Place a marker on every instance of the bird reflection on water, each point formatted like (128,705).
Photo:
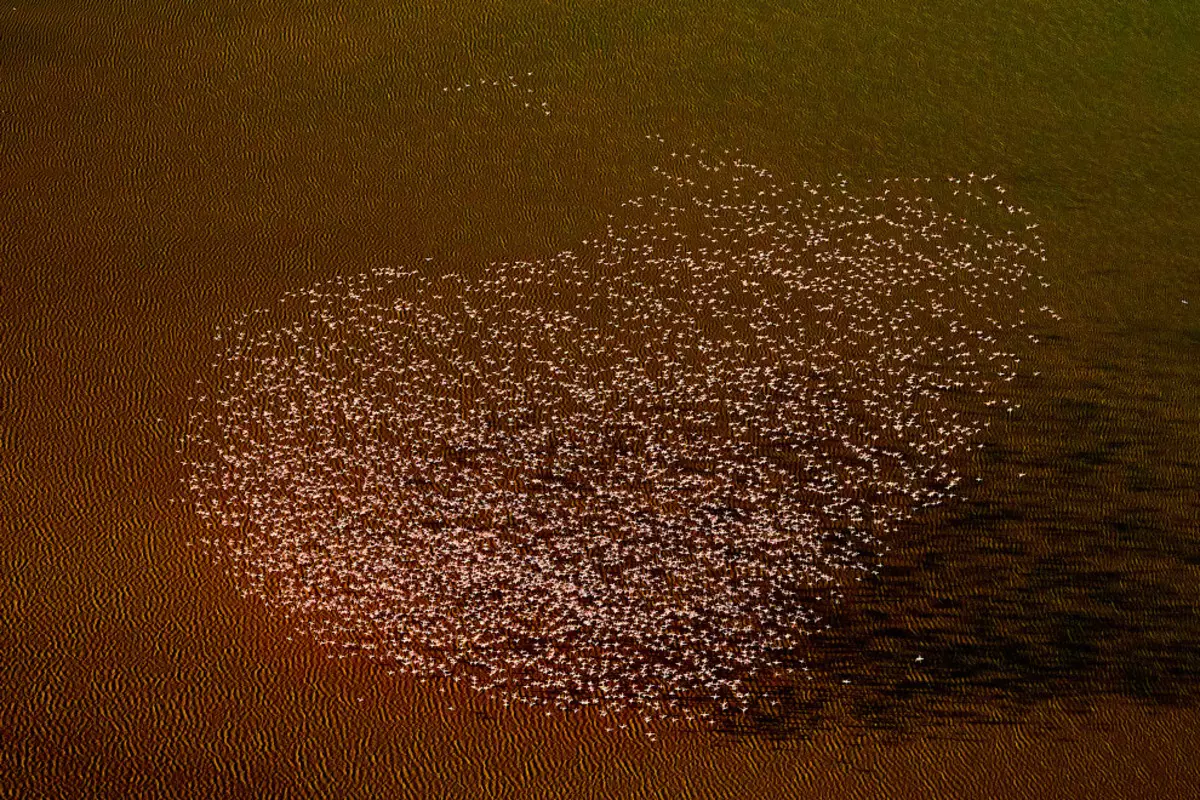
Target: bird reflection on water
(640,474)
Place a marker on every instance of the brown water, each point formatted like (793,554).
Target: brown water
(167,168)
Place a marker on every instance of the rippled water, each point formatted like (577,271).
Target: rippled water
(168,169)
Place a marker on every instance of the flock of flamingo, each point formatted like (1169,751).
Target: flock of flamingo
(633,475)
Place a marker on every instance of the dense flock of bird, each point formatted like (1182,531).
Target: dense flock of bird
(632,475)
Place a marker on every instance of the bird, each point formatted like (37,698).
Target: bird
(664,440)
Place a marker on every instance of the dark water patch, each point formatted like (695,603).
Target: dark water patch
(1066,577)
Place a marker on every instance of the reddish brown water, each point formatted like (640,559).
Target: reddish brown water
(164,170)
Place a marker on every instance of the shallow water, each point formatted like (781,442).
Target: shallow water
(166,170)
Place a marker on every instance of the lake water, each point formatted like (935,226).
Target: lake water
(165,169)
